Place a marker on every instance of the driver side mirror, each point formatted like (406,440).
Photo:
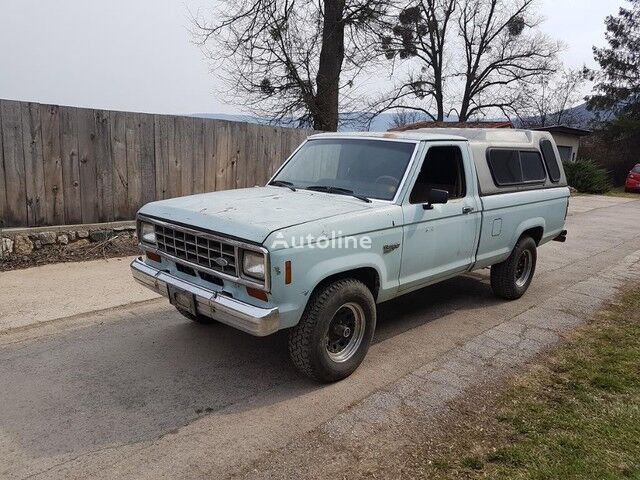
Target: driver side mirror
(435,197)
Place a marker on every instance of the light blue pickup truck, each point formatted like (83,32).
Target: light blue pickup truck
(352,220)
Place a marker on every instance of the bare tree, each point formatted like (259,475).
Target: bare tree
(548,100)
(419,33)
(465,57)
(404,117)
(292,59)
(503,50)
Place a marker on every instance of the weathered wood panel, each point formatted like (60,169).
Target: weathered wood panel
(3,184)
(145,134)
(74,165)
(118,133)
(199,155)
(134,161)
(87,166)
(70,147)
(52,165)
(104,167)
(33,162)
(12,147)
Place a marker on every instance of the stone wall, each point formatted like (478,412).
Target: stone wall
(26,242)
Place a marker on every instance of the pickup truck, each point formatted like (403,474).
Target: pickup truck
(352,220)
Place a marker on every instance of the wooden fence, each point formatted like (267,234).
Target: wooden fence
(66,165)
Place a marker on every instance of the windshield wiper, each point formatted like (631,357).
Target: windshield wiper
(282,183)
(338,191)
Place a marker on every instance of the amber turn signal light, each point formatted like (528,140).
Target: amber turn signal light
(153,256)
(259,294)
(287,272)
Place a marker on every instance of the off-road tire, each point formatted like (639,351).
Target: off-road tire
(503,275)
(307,340)
(196,318)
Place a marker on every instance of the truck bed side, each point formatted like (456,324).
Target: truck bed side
(506,216)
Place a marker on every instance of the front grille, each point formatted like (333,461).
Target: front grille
(213,254)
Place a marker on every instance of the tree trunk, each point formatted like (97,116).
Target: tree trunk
(439,94)
(325,114)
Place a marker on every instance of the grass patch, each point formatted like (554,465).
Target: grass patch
(575,416)
(619,192)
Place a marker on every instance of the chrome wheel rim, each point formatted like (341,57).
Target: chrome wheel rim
(345,333)
(523,268)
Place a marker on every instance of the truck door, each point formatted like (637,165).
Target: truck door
(440,241)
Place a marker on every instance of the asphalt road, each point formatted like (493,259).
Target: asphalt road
(138,391)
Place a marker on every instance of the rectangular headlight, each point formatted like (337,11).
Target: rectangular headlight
(253,264)
(148,233)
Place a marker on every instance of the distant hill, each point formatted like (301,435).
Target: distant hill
(579,117)
(381,123)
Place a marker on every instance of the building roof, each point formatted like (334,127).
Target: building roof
(578,132)
(418,125)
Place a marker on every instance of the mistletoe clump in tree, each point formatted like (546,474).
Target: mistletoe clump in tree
(292,60)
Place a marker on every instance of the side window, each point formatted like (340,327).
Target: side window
(532,168)
(550,160)
(514,167)
(565,153)
(442,169)
(505,166)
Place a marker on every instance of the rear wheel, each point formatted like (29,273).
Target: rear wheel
(196,318)
(511,278)
(334,333)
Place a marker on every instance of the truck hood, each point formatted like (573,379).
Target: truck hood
(252,213)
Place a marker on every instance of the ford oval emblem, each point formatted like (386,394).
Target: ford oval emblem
(221,262)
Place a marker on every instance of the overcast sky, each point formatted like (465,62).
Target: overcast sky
(136,54)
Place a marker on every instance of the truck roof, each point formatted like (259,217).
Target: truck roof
(477,136)
(413,135)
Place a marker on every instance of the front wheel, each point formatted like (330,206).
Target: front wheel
(335,331)
(511,278)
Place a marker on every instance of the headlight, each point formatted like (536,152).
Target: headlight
(253,264)
(148,233)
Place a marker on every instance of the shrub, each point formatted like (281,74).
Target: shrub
(587,177)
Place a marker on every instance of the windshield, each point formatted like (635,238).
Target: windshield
(370,168)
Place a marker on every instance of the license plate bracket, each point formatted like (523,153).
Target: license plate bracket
(182,299)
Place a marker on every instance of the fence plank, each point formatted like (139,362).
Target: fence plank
(174,167)
(198,155)
(104,166)
(87,165)
(53,207)
(165,153)
(147,160)
(210,155)
(70,155)
(223,161)
(184,152)
(16,195)
(236,154)
(3,184)
(33,162)
(118,133)
(134,176)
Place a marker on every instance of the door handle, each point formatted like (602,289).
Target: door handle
(466,210)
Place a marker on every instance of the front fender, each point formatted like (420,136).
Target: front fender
(310,266)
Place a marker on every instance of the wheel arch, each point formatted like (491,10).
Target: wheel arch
(369,276)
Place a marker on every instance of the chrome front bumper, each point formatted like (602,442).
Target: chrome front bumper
(248,318)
